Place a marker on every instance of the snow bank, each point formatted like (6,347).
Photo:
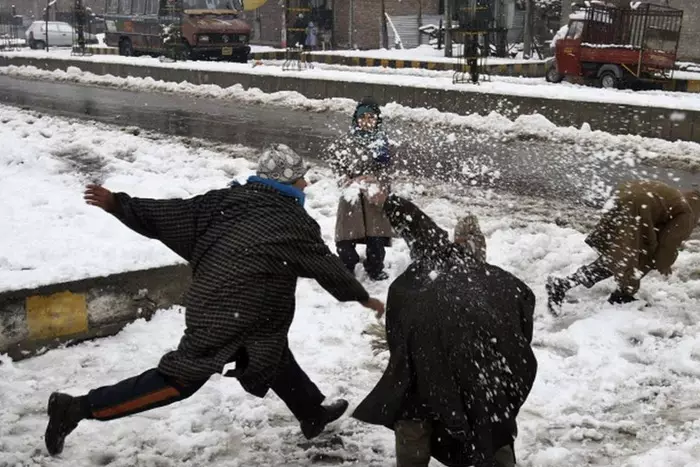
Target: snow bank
(494,124)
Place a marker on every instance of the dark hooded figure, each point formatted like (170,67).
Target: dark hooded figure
(363,158)
(461,365)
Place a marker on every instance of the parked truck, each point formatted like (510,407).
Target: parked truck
(206,28)
(618,47)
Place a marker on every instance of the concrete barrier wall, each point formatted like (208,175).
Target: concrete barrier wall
(654,122)
(531,70)
(32,320)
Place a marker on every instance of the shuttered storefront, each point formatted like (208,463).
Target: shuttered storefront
(407,27)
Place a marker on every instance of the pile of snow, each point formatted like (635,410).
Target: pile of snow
(617,385)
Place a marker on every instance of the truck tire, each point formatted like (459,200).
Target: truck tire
(553,76)
(125,47)
(609,80)
(240,57)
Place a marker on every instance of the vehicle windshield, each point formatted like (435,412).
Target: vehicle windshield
(213,4)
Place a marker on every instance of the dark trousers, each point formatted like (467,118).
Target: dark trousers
(413,440)
(153,389)
(590,274)
(376,252)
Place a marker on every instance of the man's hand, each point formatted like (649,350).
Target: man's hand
(101,197)
(376,305)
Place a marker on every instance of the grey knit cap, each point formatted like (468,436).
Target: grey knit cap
(280,163)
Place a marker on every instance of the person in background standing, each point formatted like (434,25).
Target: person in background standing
(362,158)
(311,36)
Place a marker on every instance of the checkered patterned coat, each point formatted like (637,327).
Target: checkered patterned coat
(247,245)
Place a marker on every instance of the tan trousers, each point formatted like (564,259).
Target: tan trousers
(413,445)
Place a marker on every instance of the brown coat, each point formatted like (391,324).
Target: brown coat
(365,183)
(644,229)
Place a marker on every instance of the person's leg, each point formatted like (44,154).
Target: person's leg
(347,252)
(304,399)
(147,391)
(295,388)
(412,443)
(376,252)
(587,276)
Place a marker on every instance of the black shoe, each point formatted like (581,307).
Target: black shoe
(64,415)
(329,413)
(620,298)
(556,290)
(380,276)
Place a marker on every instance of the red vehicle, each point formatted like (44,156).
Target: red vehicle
(209,28)
(619,46)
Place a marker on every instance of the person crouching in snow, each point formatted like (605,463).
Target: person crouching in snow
(461,364)
(247,245)
(642,231)
(363,160)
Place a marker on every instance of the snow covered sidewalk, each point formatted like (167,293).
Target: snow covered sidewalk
(529,88)
(616,385)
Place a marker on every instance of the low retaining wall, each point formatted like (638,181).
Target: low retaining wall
(531,70)
(32,320)
(653,122)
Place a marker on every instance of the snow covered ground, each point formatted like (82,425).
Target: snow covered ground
(617,386)
(423,52)
(678,154)
(537,88)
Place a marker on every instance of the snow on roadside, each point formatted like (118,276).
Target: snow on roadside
(44,166)
(495,124)
(661,99)
(616,385)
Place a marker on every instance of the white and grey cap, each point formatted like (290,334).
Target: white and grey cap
(280,163)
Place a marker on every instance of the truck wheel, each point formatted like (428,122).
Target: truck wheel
(125,47)
(553,76)
(608,80)
(241,57)
(186,52)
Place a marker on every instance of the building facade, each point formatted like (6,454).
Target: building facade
(350,23)
(689,48)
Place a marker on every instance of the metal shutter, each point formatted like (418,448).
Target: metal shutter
(407,27)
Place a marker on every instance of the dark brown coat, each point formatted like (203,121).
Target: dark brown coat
(643,230)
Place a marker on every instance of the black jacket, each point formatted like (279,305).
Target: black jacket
(247,246)
(459,334)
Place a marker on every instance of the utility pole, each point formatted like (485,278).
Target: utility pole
(527,31)
(385,28)
(565,12)
(448,28)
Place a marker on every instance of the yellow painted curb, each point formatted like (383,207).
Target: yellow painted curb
(57,315)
